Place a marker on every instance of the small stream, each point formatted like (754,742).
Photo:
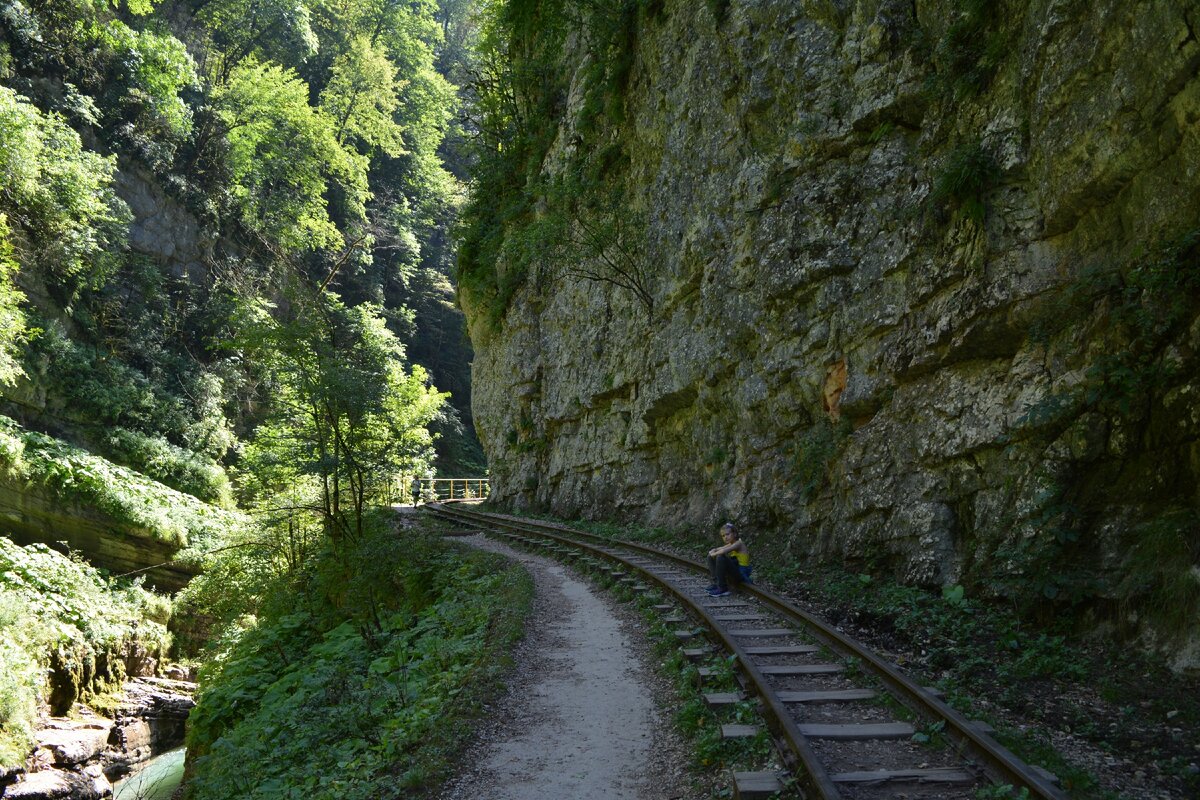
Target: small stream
(157,780)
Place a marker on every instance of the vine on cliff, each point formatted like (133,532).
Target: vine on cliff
(521,220)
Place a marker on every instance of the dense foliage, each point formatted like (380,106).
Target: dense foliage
(77,476)
(529,221)
(214,219)
(58,610)
(349,681)
(347,418)
(303,138)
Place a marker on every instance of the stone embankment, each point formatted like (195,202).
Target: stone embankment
(78,757)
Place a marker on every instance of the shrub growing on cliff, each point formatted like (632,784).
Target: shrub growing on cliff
(1142,309)
(520,221)
(814,452)
(12,318)
(966,176)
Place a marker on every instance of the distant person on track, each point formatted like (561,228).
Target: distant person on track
(728,564)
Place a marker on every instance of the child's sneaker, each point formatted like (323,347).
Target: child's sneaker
(720,593)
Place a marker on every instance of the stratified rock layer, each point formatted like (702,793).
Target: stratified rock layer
(837,353)
(78,757)
(30,514)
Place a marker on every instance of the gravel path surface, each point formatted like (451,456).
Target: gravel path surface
(583,714)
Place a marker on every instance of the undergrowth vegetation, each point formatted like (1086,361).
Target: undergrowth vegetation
(56,611)
(359,671)
(1141,308)
(992,663)
(177,467)
(73,474)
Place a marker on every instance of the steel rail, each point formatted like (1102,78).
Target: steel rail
(1002,763)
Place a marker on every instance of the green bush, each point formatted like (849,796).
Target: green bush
(350,681)
(20,678)
(154,70)
(1149,303)
(57,194)
(1160,578)
(180,469)
(968,173)
(12,318)
(58,610)
(102,388)
(814,451)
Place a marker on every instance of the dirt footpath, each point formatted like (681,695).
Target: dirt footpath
(580,718)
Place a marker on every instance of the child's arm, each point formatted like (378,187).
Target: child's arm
(736,544)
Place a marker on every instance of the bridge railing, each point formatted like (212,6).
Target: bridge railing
(426,490)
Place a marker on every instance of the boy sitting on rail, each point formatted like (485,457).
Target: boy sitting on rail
(729,563)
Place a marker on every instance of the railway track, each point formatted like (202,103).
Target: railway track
(847,723)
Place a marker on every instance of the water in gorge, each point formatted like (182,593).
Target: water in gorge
(156,781)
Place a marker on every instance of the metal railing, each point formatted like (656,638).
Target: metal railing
(429,490)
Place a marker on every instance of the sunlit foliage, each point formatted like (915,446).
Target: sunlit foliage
(58,196)
(283,153)
(348,418)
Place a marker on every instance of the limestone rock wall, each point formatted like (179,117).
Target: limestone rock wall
(160,227)
(78,757)
(845,354)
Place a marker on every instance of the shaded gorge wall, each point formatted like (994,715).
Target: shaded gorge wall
(909,286)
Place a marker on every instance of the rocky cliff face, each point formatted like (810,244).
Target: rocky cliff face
(161,228)
(77,757)
(31,515)
(921,295)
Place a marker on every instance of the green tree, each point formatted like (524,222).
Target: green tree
(155,69)
(283,156)
(362,97)
(267,30)
(12,318)
(347,419)
(62,211)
